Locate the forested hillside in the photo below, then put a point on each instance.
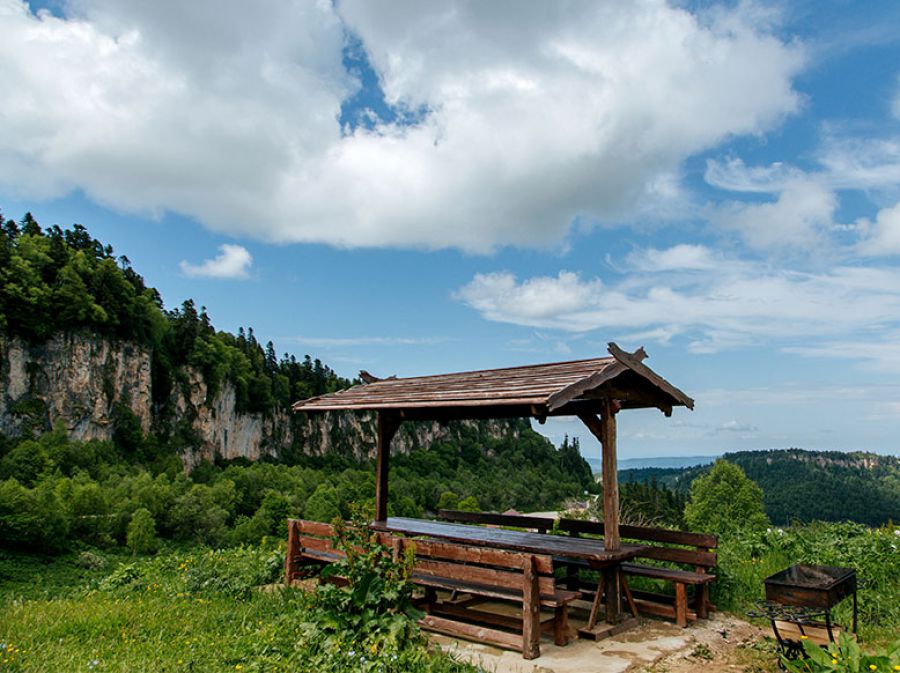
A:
(65, 296)
(66, 281)
(807, 485)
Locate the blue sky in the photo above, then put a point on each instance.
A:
(415, 188)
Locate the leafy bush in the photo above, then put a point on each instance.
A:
(234, 572)
(366, 622)
(725, 502)
(141, 537)
(844, 656)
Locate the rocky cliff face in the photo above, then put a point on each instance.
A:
(81, 381)
(73, 379)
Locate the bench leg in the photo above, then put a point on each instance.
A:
(531, 613)
(703, 601)
(680, 604)
(561, 625)
(626, 590)
(613, 594)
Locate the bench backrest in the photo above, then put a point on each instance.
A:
(533, 523)
(495, 568)
(702, 556)
(313, 543)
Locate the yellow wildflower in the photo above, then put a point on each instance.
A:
(873, 667)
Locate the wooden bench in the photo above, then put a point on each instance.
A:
(482, 573)
(699, 554)
(310, 546)
(475, 572)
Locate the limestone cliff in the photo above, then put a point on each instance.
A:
(81, 380)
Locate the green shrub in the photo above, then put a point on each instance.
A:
(368, 624)
(725, 502)
(197, 516)
(323, 504)
(25, 463)
(845, 656)
(141, 537)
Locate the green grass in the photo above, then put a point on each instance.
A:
(148, 632)
(191, 611)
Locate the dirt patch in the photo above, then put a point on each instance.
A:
(724, 644)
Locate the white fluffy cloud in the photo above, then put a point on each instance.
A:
(881, 238)
(229, 113)
(234, 261)
(797, 219)
(730, 304)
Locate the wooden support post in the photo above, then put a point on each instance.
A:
(531, 612)
(610, 476)
(613, 594)
(290, 560)
(604, 429)
(387, 427)
(681, 617)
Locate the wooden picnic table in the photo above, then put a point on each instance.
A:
(591, 551)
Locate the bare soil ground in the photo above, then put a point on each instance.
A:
(723, 644)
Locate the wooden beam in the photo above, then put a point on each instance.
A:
(634, 361)
(604, 429)
(387, 427)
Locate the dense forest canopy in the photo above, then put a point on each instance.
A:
(806, 486)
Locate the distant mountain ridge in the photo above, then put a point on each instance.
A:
(806, 485)
(658, 461)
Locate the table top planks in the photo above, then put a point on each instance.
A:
(590, 550)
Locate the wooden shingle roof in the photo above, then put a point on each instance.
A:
(554, 389)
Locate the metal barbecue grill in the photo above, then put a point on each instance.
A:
(798, 603)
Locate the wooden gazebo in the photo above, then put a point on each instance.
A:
(593, 390)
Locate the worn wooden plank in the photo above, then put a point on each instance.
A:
(494, 577)
(643, 533)
(462, 612)
(818, 634)
(668, 574)
(305, 542)
(476, 632)
(536, 543)
(661, 609)
(538, 523)
(484, 556)
(693, 557)
(313, 528)
(606, 630)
